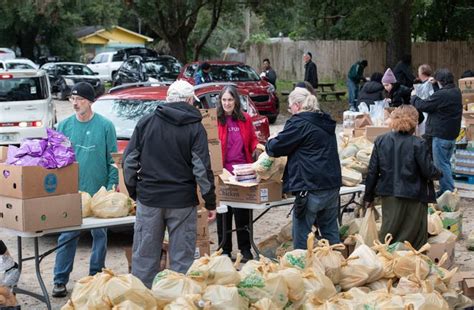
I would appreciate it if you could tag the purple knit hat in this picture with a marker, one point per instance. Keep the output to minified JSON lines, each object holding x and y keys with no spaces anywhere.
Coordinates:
{"x":389,"y":77}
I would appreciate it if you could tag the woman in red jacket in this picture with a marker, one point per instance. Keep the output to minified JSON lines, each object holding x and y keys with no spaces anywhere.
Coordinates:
{"x":238,"y":140}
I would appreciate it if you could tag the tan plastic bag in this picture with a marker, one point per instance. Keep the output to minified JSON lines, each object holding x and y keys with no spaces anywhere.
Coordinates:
{"x":129,"y":288}
{"x":318,"y":287}
{"x":302,"y":259}
{"x":89,"y":292}
{"x":330,"y":258}
{"x":86,"y":204}
{"x":268,"y":167}
{"x":368,"y":228}
{"x":263,"y":304}
{"x":380,"y":284}
{"x":386,"y":256}
{"x":110,"y":204}
{"x":350,"y":177}
{"x":216,"y":269}
{"x":440,"y":277}
{"x":350,"y":300}
{"x":384,"y":299}
{"x":410,"y":284}
{"x":358,"y":166}
{"x":188,"y":302}
{"x":364,"y":156}
{"x":366,"y":257}
{"x":169,"y":285}
{"x":435,"y":224}
{"x":405,"y":264}
{"x":294,"y":282}
{"x":262,"y":284}
{"x":429,"y":299}
{"x":224,"y":297}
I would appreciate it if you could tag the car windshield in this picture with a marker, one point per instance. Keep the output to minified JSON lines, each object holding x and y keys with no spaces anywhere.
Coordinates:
{"x":125,"y":113}
{"x":163,"y":69}
{"x":226,"y":73}
{"x":74,"y":70}
{"x":19,"y":89}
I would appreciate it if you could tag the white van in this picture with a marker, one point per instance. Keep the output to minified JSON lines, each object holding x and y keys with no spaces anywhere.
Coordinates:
{"x":26,"y":105}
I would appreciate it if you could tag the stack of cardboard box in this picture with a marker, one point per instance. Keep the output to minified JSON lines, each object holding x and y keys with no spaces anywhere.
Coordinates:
{"x":35,"y":198}
{"x":362,"y":125}
{"x":466,"y":86}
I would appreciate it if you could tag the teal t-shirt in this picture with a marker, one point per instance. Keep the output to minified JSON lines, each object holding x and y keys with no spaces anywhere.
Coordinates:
{"x":93,"y":143}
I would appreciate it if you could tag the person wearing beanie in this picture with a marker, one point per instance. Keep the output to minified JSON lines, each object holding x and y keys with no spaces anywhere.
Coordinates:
{"x":166,"y":159}
{"x":444,"y":108}
{"x":310,"y":70}
{"x":93,"y":138}
{"x":354,"y":77}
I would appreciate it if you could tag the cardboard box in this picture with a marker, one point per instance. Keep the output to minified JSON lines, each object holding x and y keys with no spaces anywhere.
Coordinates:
{"x":452,"y":221}
{"x":209,"y":121}
{"x":361,"y":121}
{"x":34,"y":182}
{"x":3,"y":153}
{"x":466,"y":86}
{"x":215,"y":151}
{"x":468,"y":118}
{"x":202,"y":225}
{"x":372,"y":132}
{"x":39,"y":214}
{"x":466,"y":280}
{"x":203,"y":247}
{"x":358,"y":132}
{"x":470,"y":132}
{"x":265,"y":191}
{"x":437,"y":250}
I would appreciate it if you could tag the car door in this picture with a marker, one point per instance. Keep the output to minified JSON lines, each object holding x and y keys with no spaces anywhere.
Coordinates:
{"x":52,"y":75}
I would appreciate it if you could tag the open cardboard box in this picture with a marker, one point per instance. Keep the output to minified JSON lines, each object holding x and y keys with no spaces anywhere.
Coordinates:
{"x":437,"y":250}
{"x":262,"y":192}
{"x":466,"y":280}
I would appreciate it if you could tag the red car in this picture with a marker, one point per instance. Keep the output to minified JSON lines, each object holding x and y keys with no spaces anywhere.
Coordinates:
{"x":259,"y":89}
{"x":126,"y":105}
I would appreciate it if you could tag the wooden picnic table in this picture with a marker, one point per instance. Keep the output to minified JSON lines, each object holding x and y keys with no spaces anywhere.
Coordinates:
{"x":324,"y":90}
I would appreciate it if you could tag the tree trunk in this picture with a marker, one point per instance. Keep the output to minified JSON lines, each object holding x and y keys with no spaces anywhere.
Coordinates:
{"x":26,"y":42}
{"x":178,"y":48}
{"x":399,"y":40}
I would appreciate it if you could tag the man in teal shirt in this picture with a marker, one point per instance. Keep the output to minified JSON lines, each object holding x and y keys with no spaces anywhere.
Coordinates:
{"x":93,"y":138}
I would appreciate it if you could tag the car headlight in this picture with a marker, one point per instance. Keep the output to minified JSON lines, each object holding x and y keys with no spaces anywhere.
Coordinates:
{"x":69,"y":82}
{"x":271,"y":89}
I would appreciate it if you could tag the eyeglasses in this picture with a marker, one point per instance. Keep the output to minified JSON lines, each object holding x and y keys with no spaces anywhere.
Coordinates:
{"x":76,"y":98}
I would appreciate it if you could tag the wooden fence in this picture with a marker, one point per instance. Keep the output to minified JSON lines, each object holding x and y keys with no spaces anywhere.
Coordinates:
{"x":334,"y":58}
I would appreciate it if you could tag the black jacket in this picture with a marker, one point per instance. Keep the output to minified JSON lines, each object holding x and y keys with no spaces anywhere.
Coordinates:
{"x":401,"y":166}
{"x":444,"y":110}
{"x":166,"y":156}
{"x":404,"y":75}
{"x":311,"y":74}
{"x":399,"y":95}
{"x":370,"y":92}
{"x":309,"y":141}
{"x":271,"y":76}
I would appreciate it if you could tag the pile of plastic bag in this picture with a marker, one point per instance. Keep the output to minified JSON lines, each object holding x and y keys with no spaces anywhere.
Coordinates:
{"x":54,"y":151}
{"x":377,"y":277}
{"x":355,"y":157}
{"x":445,"y":219}
{"x":106,"y":204}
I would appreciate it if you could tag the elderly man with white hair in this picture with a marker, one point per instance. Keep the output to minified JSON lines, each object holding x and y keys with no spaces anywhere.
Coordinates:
{"x":313,"y":171}
{"x":165,"y":159}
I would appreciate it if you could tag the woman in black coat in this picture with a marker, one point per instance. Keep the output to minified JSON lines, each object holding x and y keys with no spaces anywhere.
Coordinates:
{"x":373,"y":90}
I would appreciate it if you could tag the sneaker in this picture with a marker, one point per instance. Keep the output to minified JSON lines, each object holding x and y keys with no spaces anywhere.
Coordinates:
{"x":59,"y":290}
{"x":9,"y":273}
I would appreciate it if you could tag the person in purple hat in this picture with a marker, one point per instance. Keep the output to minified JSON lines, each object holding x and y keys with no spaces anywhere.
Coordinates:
{"x":396,"y":94}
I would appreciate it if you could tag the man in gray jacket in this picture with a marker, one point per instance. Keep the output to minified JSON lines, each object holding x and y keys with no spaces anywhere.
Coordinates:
{"x":165,"y":159}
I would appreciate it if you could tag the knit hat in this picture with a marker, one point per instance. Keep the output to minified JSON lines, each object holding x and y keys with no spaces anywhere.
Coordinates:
{"x":180,"y":90}
{"x":389,"y":77}
{"x":84,"y":90}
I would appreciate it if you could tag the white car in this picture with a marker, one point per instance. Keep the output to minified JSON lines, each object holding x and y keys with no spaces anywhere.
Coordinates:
{"x":6,"y":53}
{"x":26,"y":105}
{"x":106,"y":65}
{"x":17,"y":63}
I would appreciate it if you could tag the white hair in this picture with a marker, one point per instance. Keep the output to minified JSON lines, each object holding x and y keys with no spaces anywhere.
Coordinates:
{"x":180,"y":91}
{"x":308,"y":101}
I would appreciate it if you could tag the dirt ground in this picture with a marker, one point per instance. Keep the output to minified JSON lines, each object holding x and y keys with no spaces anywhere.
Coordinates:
{"x":116,"y":261}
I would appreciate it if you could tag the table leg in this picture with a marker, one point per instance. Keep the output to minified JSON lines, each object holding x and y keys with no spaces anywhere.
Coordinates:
{"x":250,"y":230}
{"x":224,"y":231}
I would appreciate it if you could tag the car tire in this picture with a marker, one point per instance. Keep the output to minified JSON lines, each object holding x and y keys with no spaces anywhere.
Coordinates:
{"x":272,"y":119}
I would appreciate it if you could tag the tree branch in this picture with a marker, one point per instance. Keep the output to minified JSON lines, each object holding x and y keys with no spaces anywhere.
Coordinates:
{"x":216,"y":13}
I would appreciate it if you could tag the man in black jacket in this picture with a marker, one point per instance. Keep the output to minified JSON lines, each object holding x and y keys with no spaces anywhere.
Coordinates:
{"x":165,"y":158}
{"x":310,"y":70}
{"x":444,"y":110}
{"x":313,"y":170}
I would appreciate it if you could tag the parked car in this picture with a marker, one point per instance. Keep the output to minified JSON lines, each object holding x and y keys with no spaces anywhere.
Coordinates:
{"x":17,"y":63}
{"x":126,"y":104}
{"x":64,"y":75}
{"x":26,"y":105}
{"x":6,"y":53}
{"x":148,"y":69}
{"x":106,"y":65}
{"x":260,"y":90}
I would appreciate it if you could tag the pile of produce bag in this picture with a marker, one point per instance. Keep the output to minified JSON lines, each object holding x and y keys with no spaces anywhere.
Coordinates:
{"x":54,"y":151}
{"x":106,"y":204}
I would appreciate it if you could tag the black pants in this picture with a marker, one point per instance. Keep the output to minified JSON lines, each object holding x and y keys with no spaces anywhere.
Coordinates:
{"x":242,"y":218}
{"x":3,"y":248}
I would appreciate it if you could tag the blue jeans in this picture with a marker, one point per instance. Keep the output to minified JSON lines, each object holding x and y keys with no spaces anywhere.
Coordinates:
{"x":65,"y":254}
{"x":442,"y":152}
{"x":353,"y":90}
{"x":322,"y":209}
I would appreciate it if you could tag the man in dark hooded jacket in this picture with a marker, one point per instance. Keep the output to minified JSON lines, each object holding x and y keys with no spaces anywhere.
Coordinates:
{"x":313,"y":170}
{"x":373,"y":90}
{"x":403,"y":71}
{"x":444,"y":108}
{"x":165,"y":158}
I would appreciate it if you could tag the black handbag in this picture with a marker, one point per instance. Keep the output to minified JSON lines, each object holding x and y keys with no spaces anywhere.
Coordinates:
{"x":300,"y":203}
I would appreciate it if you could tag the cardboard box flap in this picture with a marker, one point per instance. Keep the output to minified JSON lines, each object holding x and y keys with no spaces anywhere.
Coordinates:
{"x":468,"y":115}
{"x":463,"y":275}
{"x":228,"y":178}
{"x":469,"y":283}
